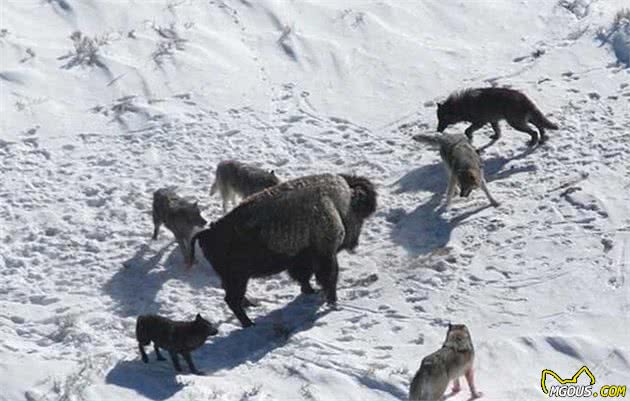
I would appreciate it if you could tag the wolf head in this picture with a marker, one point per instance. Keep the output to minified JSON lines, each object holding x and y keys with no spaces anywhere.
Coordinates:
{"x":204,"y":326}
{"x":193,"y":215}
{"x":458,"y":337}
{"x":445,"y":115}
{"x":468,"y":180}
{"x":272,"y":179}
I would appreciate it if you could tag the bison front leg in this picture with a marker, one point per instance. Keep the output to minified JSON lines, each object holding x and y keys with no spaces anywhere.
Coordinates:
{"x":327,"y":274}
{"x":234,"y":297}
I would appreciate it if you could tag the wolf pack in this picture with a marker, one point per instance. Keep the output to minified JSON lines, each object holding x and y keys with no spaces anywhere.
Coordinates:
{"x":300,"y":225}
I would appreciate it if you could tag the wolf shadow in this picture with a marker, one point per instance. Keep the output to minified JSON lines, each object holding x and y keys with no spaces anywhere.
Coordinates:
{"x":155,"y":381}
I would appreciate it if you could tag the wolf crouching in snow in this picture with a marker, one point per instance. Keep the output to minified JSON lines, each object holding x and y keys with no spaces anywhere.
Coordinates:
{"x":174,"y":336}
{"x":463,"y":165}
{"x":178,"y":215}
{"x":449,"y":363}
{"x":235,"y":179}
{"x":299,"y":225}
{"x":490,"y":105}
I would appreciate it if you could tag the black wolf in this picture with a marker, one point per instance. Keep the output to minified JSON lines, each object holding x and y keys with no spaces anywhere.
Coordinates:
{"x":490,"y":105}
{"x":175,"y":337}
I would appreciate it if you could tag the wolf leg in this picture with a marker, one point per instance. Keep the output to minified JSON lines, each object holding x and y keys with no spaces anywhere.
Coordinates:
{"x":450,"y":189}
{"x":226,"y":205}
{"x":471,"y":130}
{"x":485,"y":190}
{"x":470,"y":378}
{"x":143,"y":354}
{"x":497,"y":131}
{"x":523,"y":127}
{"x":225,"y":196}
{"x":157,"y":352}
{"x":175,"y":360}
{"x":191,"y":365}
{"x":456,"y":386}
{"x":156,"y":225}
{"x":183,"y":247}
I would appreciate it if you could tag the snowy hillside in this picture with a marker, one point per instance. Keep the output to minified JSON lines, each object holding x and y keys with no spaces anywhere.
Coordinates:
{"x":102,"y":102}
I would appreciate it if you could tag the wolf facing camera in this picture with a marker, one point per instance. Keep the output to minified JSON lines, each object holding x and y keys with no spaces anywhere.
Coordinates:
{"x":449,"y":363}
{"x":463,"y":165}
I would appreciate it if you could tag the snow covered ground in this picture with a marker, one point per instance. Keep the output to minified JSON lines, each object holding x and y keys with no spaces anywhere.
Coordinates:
{"x":155,"y":93}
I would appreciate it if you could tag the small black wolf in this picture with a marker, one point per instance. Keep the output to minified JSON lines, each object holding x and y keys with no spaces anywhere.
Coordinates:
{"x":481,"y":106}
{"x":175,"y":337}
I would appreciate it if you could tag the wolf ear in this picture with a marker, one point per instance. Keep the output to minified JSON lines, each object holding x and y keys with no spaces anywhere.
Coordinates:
{"x":450,"y":326}
{"x":198,"y":317}
{"x":272,"y":172}
{"x":196,"y":204}
{"x":439,"y":105}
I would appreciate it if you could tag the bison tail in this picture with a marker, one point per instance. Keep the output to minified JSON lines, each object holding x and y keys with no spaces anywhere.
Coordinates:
{"x":363,"y":201}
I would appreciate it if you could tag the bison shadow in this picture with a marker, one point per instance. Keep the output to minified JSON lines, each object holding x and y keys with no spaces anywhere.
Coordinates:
{"x":134,"y":287}
{"x":271,"y":331}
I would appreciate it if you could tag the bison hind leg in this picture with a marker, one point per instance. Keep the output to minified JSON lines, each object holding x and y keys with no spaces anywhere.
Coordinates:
{"x":234,"y":297}
{"x":302,"y":273}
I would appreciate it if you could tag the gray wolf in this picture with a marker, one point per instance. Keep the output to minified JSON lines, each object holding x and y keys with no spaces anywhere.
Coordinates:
{"x":174,"y":336}
{"x":236,"y":179}
{"x":463,"y":165}
{"x":180,"y":216}
{"x":299,"y":225}
{"x":449,"y":363}
{"x":481,"y":106}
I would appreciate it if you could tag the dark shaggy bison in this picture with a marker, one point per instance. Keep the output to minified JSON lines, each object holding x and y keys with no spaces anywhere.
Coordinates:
{"x":299,"y":225}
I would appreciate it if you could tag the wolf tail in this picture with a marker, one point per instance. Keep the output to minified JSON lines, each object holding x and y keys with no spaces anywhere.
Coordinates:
{"x":430,"y":139}
{"x":539,"y":120}
{"x":363,"y":201}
